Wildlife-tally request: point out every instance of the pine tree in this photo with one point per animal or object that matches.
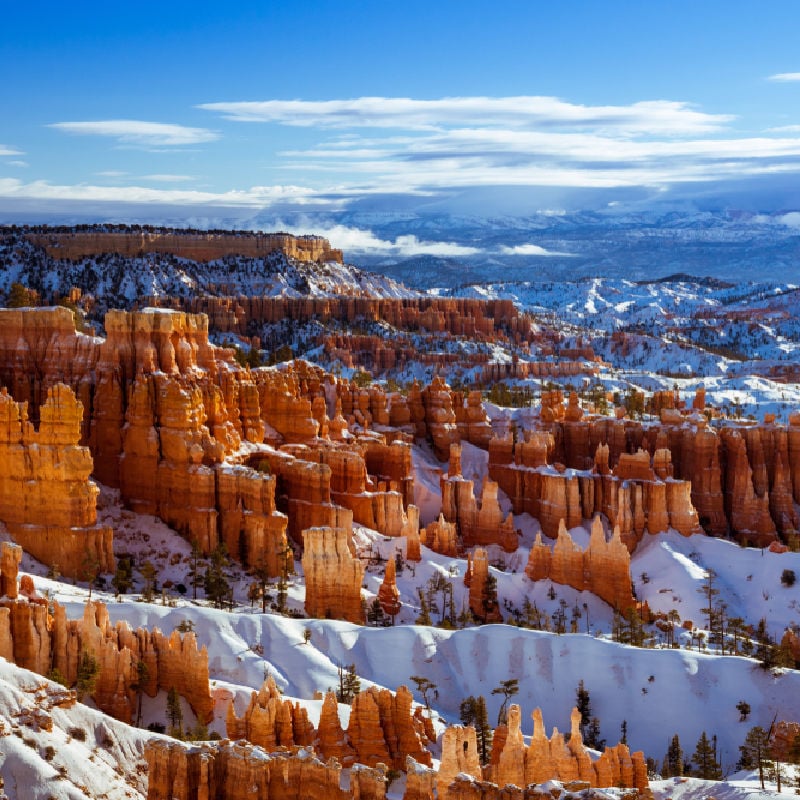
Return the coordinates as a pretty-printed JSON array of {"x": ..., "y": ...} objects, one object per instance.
[
  {"x": 349, "y": 684},
  {"x": 755, "y": 752},
  {"x": 472, "y": 711},
  {"x": 88, "y": 669},
  {"x": 673, "y": 760},
  {"x": 424, "y": 685},
  {"x": 174, "y": 713},
  {"x": 584, "y": 705},
  {"x": 705, "y": 760},
  {"x": 508, "y": 689}
]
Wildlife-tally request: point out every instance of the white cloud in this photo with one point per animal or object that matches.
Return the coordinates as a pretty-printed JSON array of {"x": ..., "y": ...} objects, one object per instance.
[
  {"x": 529, "y": 250},
  {"x": 785, "y": 77},
  {"x": 18, "y": 163},
  {"x": 5, "y": 150},
  {"x": 255, "y": 196},
  {"x": 111, "y": 173},
  {"x": 359, "y": 240},
  {"x": 139, "y": 133},
  {"x": 651, "y": 116},
  {"x": 168, "y": 178},
  {"x": 791, "y": 220}
]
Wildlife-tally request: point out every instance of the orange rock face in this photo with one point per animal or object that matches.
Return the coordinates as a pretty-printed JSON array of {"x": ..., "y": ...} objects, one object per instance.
[
  {"x": 477, "y": 524},
  {"x": 47, "y": 500},
  {"x": 482, "y": 600},
  {"x": 389, "y": 594},
  {"x": 10, "y": 558},
  {"x": 604, "y": 568},
  {"x": 270, "y": 721},
  {"x": 197, "y": 247},
  {"x": 240, "y": 771},
  {"x": 542, "y": 760},
  {"x": 35, "y": 640},
  {"x": 333, "y": 575}
]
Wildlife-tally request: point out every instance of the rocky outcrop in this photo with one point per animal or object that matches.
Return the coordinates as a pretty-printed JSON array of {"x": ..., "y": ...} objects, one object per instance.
[
  {"x": 10, "y": 559},
  {"x": 476, "y": 524},
  {"x": 441, "y": 537},
  {"x": 388, "y": 593},
  {"x": 34, "y": 639},
  {"x": 239, "y": 771},
  {"x": 640, "y": 494},
  {"x": 269, "y": 721},
  {"x": 483, "y": 600},
  {"x": 195, "y": 246},
  {"x": 47, "y": 499},
  {"x": 553, "y": 759},
  {"x": 604, "y": 568},
  {"x": 333, "y": 575}
]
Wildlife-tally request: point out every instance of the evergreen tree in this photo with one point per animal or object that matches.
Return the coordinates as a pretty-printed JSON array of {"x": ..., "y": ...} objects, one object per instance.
[
  {"x": 705, "y": 759},
  {"x": 215, "y": 581},
  {"x": 472, "y": 711},
  {"x": 489, "y": 597},
  {"x": 755, "y": 752},
  {"x": 673, "y": 760},
  {"x": 508, "y": 689},
  {"x": 349, "y": 684},
  {"x": 174, "y": 713},
  {"x": 424, "y": 685},
  {"x": 623, "y": 732},
  {"x": 123, "y": 576},
  {"x": 375, "y": 613},
  {"x": 88, "y": 669},
  {"x": 584, "y": 705},
  {"x": 142, "y": 676}
]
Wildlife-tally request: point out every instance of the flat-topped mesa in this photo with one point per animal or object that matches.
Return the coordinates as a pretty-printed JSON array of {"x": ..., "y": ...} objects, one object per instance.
[
  {"x": 196, "y": 246},
  {"x": 47, "y": 500},
  {"x": 333, "y": 575},
  {"x": 604, "y": 568}
]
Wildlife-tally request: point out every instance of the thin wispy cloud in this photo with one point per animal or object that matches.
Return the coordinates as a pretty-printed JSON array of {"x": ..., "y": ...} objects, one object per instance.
[
  {"x": 167, "y": 178},
  {"x": 256, "y": 196},
  {"x": 18, "y": 163},
  {"x": 651, "y": 116},
  {"x": 5, "y": 150},
  {"x": 140, "y": 133},
  {"x": 785, "y": 77}
]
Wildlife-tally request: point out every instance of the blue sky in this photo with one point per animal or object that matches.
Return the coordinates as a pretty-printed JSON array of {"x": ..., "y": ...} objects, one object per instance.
[{"x": 323, "y": 106}]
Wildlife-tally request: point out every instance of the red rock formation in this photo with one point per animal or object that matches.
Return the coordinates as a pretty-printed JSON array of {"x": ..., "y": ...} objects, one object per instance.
[
  {"x": 239, "y": 771},
  {"x": 333, "y": 575},
  {"x": 194, "y": 246},
  {"x": 747, "y": 510},
  {"x": 35, "y": 640},
  {"x": 10, "y": 558},
  {"x": 47, "y": 500},
  {"x": 477, "y": 524},
  {"x": 604, "y": 568},
  {"x": 543, "y": 760},
  {"x": 383, "y": 730},
  {"x": 270, "y": 721},
  {"x": 482, "y": 601},
  {"x": 389, "y": 594},
  {"x": 440, "y": 419},
  {"x": 441, "y": 537}
]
